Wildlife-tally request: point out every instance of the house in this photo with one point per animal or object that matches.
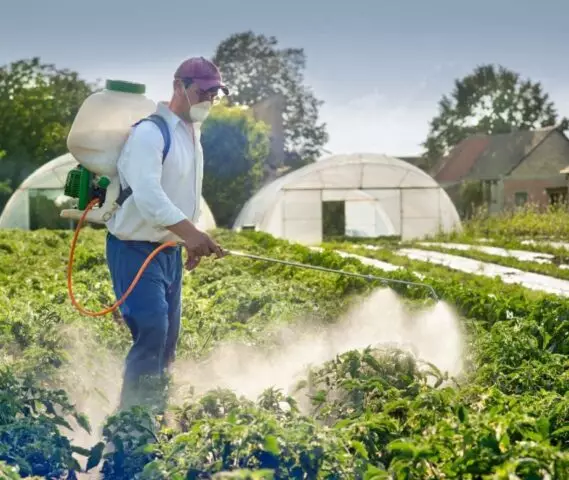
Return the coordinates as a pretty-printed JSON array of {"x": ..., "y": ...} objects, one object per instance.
[{"x": 512, "y": 168}]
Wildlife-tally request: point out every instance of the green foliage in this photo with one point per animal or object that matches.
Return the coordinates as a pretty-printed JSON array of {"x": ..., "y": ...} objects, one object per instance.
[
  {"x": 10, "y": 472},
  {"x": 235, "y": 148},
  {"x": 5, "y": 185},
  {"x": 255, "y": 69},
  {"x": 490, "y": 100},
  {"x": 38, "y": 103},
  {"x": 44, "y": 213},
  {"x": 220, "y": 433},
  {"x": 29, "y": 421},
  {"x": 131, "y": 434},
  {"x": 471, "y": 198},
  {"x": 528, "y": 221},
  {"x": 375, "y": 413},
  {"x": 6, "y": 191}
]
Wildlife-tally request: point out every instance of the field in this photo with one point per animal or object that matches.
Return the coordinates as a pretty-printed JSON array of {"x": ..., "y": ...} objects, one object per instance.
[{"x": 290, "y": 373}]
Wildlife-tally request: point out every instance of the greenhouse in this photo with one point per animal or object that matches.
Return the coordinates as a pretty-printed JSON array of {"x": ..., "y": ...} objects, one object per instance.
[
  {"x": 39, "y": 199},
  {"x": 358, "y": 195}
]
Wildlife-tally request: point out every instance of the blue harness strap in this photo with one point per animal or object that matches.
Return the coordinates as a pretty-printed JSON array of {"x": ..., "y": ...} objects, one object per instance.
[{"x": 161, "y": 124}]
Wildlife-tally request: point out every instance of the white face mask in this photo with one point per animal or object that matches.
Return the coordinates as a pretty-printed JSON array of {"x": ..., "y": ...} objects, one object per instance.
[{"x": 199, "y": 111}]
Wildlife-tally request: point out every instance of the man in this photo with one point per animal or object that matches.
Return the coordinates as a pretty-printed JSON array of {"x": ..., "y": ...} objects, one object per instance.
[{"x": 164, "y": 206}]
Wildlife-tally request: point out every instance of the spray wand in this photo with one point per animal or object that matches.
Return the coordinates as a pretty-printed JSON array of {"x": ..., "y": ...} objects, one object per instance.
[
  {"x": 383, "y": 280},
  {"x": 165, "y": 245}
]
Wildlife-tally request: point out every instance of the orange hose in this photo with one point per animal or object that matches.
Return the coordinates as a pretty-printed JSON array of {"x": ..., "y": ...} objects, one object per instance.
[{"x": 132, "y": 285}]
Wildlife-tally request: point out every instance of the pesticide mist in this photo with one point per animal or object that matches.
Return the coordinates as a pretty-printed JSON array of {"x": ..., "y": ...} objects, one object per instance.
[
  {"x": 380, "y": 319},
  {"x": 94, "y": 376}
]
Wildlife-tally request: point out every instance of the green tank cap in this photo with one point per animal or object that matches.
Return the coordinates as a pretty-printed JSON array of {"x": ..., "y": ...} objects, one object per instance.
[
  {"x": 103, "y": 182},
  {"x": 125, "y": 87}
]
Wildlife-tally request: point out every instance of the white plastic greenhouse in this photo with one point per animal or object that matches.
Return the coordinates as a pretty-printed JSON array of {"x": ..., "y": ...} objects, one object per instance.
[
  {"x": 48, "y": 181},
  {"x": 378, "y": 196}
]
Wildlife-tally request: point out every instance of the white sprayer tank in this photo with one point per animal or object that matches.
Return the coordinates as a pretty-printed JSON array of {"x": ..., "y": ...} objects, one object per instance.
[{"x": 103, "y": 123}]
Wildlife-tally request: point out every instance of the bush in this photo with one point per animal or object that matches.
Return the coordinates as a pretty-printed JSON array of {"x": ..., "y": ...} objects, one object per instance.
[{"x": 235, "y": 148}]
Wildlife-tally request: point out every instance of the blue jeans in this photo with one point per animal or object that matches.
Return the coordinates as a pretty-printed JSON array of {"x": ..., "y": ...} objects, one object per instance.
[{"x": 152, "y": 311}]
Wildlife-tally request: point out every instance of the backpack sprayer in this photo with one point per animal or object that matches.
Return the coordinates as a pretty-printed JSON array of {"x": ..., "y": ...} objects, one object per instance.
[{"x": 96, "y": 138}]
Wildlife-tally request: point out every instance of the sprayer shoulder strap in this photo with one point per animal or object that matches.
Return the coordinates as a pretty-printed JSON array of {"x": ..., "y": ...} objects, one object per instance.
[{"x": 162, "y": 125}]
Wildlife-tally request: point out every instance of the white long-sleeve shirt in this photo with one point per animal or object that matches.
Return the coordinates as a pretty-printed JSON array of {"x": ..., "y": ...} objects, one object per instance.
[{"x": 162, "y": 194}]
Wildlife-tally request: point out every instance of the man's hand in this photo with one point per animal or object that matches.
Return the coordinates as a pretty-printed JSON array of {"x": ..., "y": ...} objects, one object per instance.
[
  {"x": 200, "y": 244},
  {"x": 192, "y": 263},
  {"x": 197, "y": 243}
]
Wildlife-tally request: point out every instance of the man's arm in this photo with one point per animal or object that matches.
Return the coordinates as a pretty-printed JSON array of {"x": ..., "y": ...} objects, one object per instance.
[
  {"x": 141, "y": 165},
  {"x": 184, "y": 228}
]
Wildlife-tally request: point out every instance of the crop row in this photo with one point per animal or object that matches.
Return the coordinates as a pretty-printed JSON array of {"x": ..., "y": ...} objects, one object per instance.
[
  {"x": 372, "y": 411},
  {"x": 549, "y": 269}
]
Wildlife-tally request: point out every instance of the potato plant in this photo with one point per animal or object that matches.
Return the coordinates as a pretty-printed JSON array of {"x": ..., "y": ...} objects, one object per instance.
[{"x": 377, "y": 413}]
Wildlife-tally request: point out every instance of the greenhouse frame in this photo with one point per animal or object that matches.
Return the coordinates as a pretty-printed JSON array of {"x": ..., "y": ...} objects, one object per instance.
[{"x": 373, "y": 195}]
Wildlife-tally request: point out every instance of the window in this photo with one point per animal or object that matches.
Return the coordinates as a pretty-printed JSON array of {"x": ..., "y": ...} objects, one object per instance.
[
  {"x": 521, "y": 198},
  {"x": 557, "y": 195}
]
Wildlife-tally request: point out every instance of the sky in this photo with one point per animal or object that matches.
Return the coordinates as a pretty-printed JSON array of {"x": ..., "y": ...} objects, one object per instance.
[{"x": 380, "y": 66}]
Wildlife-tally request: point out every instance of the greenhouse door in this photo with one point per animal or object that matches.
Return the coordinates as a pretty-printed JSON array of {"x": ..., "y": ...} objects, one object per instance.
[{"x": 333, "y": 219}]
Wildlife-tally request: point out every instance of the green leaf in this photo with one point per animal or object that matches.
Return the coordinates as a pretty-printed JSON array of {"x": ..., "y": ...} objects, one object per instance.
[
  {"x": 462, "y": 414},
  {"x": 150, "y": 448},
  {"x": 81, "y": 451},
  {"x": 272, "y": 445},
  {"x": 95, "y": 456},
  {"x": 73, "y": 464},
  {"x": 261, "y": 474},
  {"x": 402, "y": 449},
  {"x": 83, "y": 421},
  {"x": 504, "y": 442},
  {"x": 61, "y": 421},
  {"x": 375, "y": 473},
  {"x": 560, "y": 431},
  {"x": 360, "y": 448},
  {"x": 543, "y": 427}
]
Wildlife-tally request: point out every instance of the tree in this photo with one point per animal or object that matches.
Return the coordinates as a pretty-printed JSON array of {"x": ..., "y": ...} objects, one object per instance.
[
  {"x": 5, "y": 188},
  {"x": 491, "y": 100},
  {"x": 254, "y": 69},
  {"x": 235, "y": 147},
  {"x": 38, "y": 103}
]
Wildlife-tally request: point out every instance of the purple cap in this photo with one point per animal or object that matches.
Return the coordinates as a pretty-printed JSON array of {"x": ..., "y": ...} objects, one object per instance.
[{"x": 203, "y": 72}]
